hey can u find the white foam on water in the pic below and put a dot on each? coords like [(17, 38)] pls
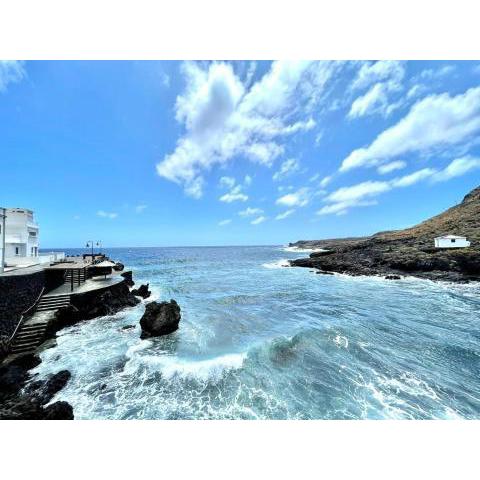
[(341, 341), (172, 367), (302, 250), (278, 264)]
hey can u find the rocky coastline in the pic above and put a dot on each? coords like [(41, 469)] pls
[(24, 398), (408, 252)]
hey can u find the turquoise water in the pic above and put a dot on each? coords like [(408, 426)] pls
[(259, 341)]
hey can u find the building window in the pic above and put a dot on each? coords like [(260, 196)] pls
[(16, 250), (453, 240)]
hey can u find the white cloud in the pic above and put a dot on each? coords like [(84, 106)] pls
[(300, 198), (165, 79), (285, 214), (286, 169), (11, 71), (362, 194), (314, 178), (250, 212), (104, 214), (341, 208), (413, 178), (457, 168), (140, 208), (384, 70), (227, 182), (258, 220), (374, 101), (437, 121), (247, 180), (431, 73), (390, 167), (359, 191), (234, 195), (384, 78), (325, 181), (224, 222), (225, 118)]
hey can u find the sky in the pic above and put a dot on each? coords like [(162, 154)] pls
[(164, 153)]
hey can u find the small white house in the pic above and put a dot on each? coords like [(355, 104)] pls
[(451, 241)]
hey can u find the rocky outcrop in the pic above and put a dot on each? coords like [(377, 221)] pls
[(128, 278), (160, 319), (4, 346), (119, 266), (142, 291), (407, 252), (18, 402)]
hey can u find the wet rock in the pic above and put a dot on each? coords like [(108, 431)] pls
[(160, 319), (128, 278), (4, 346), (128, 327), (58, 411), (119, 267), (142, 291), (393, 277), (323, 272)]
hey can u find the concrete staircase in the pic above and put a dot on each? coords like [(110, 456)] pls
[(32, 332), (28, 338), (53, 302)]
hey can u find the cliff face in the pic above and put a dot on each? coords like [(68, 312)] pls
[(409, 251)]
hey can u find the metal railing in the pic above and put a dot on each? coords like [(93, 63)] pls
[(26, 313)]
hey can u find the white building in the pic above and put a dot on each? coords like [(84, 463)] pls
[(451, 241), (21, 236)]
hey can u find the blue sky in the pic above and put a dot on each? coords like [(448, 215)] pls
[(226, 153)]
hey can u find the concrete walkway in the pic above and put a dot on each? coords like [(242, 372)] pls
[(96, 283)]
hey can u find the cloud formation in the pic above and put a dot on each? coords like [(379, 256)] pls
[(288, 167), (224, 118), (363, 194), (104, 214), (11, 71), (258, 220), (300, 198), (432, 124)]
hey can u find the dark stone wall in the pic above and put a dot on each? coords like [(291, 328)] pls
[(53, 279), (17, 293)]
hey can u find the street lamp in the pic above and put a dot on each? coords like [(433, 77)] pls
[(90, 244)]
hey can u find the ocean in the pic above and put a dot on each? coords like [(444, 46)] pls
[(260, 341)]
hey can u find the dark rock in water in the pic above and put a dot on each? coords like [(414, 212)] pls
[(12, 378), (53, 385), (4, 346), (393, 277), (119, 267), (58, 411), (128, 327), (128, 278), (14, 375), (28, 404), (160, 319), (142, 291), (323, 272)]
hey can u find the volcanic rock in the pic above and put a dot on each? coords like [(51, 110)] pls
[(142, 291), (160, 319)]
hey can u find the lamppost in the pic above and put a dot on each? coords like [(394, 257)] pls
[(91, 243), (88, 245)]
